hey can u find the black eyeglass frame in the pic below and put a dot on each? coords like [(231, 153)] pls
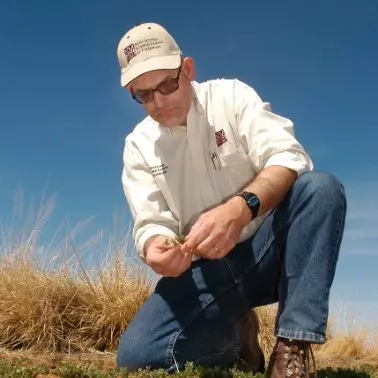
[(151, 92)]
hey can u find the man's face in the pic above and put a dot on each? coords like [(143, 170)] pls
[(167, 109)]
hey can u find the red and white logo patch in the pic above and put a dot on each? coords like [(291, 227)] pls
[(220, 137), (130, 52)]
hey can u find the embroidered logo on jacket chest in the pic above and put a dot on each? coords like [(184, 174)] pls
[(220, 137)]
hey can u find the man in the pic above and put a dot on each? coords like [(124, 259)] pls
[(229, 211)]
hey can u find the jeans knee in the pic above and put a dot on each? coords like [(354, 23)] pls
[(325, 187), (127, 356)]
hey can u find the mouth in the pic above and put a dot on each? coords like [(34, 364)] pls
[(166, 112)]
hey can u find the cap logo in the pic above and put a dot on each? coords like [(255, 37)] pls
[(136, 48), (130, 52)]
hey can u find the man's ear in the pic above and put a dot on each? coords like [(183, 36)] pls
[(188, 67)]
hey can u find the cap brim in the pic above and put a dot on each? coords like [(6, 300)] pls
[(159, 63)]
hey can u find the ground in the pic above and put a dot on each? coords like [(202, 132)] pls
[(101, 364)]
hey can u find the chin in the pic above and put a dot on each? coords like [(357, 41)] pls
[(169, 122)]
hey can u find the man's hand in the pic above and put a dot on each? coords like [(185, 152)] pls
[(216, 232), (165, 257)]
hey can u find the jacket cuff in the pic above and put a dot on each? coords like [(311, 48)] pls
[(296, 161), (151, 231)]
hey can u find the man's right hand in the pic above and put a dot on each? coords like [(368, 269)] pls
[(166, 258)]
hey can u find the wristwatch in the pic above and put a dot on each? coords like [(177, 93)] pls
[(252, 202)]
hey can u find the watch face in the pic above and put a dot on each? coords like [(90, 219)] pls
[(253, 203), (253, 200)]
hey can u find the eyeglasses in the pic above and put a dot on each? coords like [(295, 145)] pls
[(166, 87)]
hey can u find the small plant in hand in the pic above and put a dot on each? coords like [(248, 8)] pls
[(178, 240)]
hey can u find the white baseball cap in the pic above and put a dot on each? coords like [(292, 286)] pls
[(146, 47)]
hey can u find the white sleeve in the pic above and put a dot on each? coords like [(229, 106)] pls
[(268, 137), (147, 204)]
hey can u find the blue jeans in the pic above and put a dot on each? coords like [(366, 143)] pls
[(290, 260)]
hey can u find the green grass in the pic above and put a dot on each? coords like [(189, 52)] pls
[(24, 368), (15, 369)]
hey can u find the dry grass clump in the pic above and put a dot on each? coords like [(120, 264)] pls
[(351, 350), (266, 316), (48, 300), (57, 312)]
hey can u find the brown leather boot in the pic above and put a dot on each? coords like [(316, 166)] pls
[(251, 355), (290, 359)]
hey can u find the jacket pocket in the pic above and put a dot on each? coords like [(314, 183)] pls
[(236, 169), (236, 157)]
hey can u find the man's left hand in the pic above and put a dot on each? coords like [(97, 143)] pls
[(216, 232)]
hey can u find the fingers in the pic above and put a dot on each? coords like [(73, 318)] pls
[(162, 258), (193, 240), (196, 236), (168, 258), (210, 246), (180, 265), (204, 235), (214, 253), (177, 265), (215, 248), (206, 246)]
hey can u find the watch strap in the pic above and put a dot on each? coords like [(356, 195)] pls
[(252, 201)]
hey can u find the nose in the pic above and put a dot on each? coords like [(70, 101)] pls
[(159, 99)]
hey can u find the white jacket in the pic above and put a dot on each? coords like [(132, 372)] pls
[(172, 175)]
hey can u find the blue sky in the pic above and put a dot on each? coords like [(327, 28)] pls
[(64, 116)]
